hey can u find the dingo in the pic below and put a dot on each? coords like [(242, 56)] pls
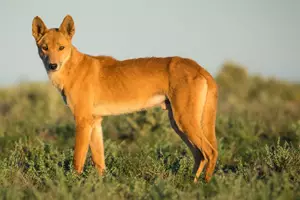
[(97, 86)]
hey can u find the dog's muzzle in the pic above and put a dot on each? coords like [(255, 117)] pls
[(52, 66)]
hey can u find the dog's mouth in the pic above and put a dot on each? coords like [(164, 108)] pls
[(53, 70), (49, 69)]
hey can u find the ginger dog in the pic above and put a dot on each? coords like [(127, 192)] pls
[(97, 86)]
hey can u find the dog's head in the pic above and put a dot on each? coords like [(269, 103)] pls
[(54, 45)]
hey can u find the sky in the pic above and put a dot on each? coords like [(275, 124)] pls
[(262, 35)]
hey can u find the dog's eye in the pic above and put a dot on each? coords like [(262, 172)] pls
[(61, 48), (45, 48)]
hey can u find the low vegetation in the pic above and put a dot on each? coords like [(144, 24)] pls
[(258, 131)]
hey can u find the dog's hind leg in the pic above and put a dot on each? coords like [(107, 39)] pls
[(188, 107), (194, 150)]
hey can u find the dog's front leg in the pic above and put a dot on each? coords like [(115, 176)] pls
[(97, 146), (82, 139)]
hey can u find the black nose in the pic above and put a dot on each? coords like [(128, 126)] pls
[(52, 66)]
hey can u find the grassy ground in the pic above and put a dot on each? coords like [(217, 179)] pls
[(258, 130)]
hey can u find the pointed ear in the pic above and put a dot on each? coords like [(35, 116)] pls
[(38, 28), (67, 26)]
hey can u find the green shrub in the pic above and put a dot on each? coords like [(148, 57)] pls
[(258, 132)]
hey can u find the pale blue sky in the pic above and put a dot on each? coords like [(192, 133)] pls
[(263, 35)]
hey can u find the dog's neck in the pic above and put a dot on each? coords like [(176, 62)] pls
[(68, 69)]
